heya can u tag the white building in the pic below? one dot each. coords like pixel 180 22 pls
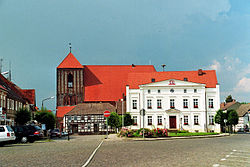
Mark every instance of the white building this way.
pixel 184 100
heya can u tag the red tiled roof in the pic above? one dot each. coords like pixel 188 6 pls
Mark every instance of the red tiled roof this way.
pixel 108 82
pixel 30 95
pixel 62 110
pixel 209 77
pixel 1 87
pixel 70 62
pixel 13 87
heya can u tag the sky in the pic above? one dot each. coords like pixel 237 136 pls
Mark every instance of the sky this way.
pixel 183 34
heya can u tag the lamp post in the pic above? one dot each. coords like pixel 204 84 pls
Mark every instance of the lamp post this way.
pixel 52 97
pixel 122 114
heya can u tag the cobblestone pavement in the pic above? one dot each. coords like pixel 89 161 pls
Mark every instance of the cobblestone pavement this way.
pixel 209 152
pixel 57 153
pixel 213 152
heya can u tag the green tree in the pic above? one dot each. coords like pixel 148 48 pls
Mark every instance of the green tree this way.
pixel 219 119
pixel 114 120
pixel 127 119
pixel 233 118
pixel 46 117
pixel 22 116
pixel 229 99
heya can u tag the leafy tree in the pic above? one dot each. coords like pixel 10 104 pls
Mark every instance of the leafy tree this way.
pixel 114 120
pixel 219 118
pixel 233 118
pixel 127 119
pixel 229 99
pixel 22 116
pixel 46 117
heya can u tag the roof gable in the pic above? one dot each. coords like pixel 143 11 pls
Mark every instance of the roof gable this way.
pixel 70 62
pixel 173 83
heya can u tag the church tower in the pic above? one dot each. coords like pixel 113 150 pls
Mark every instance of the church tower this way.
pixel 70 83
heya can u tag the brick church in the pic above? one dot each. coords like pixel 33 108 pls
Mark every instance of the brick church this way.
pixel 86 91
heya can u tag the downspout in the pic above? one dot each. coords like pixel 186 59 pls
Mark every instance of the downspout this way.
pixel 206 110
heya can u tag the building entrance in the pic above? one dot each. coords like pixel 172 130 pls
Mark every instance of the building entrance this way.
pixel 172 122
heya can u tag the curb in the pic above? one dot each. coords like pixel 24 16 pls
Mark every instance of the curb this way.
pixel 185 137
pixel 174 138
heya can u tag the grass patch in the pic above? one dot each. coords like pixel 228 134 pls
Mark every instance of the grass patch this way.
pixel 191 134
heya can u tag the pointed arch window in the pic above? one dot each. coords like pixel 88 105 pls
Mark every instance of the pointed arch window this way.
pixel 70 80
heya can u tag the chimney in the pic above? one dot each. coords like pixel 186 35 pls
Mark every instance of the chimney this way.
pixel 200 72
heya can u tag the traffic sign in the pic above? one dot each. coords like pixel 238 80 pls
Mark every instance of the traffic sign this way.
pixel 106 114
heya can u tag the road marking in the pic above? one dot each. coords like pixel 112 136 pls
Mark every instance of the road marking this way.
pixel 234 160
pixel 227 156
pixel 223 159
pixel 234 150
pixel 216 165
pixel 240 156
pixel 92 155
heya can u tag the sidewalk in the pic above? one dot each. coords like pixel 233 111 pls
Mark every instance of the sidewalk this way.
pixel 114 137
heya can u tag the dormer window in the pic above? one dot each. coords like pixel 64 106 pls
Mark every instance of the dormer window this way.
pixel 70 81
pixel 185 79
pixel 153 79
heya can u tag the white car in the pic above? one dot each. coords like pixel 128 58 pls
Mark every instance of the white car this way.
pixel 6 134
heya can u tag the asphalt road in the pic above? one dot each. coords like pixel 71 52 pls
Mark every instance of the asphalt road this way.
pixel 181 152
pixel 222 151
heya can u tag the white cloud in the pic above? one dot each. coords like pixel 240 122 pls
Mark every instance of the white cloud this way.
pixel 243 85
pixel 212 9
pixel 215 66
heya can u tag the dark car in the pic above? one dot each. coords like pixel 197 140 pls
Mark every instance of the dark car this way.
pixel 27 133
pixel 55 133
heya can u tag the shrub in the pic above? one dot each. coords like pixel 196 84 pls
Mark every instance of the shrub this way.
pixel 182 131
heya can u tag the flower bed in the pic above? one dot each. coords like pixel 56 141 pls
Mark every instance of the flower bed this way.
pixel 147 132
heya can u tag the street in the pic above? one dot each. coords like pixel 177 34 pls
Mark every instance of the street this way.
pixel 221 151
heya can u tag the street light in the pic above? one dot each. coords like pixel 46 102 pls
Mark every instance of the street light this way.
pixel 52 97
pixel 122 114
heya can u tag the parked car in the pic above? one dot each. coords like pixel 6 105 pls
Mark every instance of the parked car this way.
pixel 28 133
pixel 64 133
pixel 55 133
pixel 6 134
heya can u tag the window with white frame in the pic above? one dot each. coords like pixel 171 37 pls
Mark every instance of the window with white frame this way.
pixel 185 90
pixel 211 103
pixel 8 105
pixel 196 103
pixel 134 104
pixel 149 104
pixel 150 120
pixel 149 91
pixel 159 120
pixel 185 120
pixel 185 103
pixel 159 91
pixel 196 120
pixel 1 101
pixel 211 120
pixel 195 90
pixel 135 120
pixel 172 103
pixel 159 103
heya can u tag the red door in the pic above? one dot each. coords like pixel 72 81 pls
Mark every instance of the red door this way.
pixel 172 122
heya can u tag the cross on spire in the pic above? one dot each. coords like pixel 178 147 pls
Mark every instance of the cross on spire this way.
pixel 70 47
